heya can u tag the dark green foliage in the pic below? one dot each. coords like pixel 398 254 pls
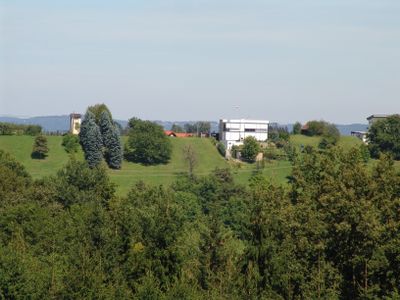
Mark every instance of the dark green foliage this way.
pixel 19 129
pixel 33 130
pixel 332 233
pixel 221 148
pixel 176 128
pixel 291 152
pixel 278 134
pixel 97 110
pixel 296 128
pixel 250 149
pixel 40 149
pixel 14 180
pixel 111 141
pixel 329 133
pixel 77 183
pixel 364 152
pixel 147 143
pixel 91 140
pixel 198 127
pixel 330 136
pixel 70 143
pixel 384 137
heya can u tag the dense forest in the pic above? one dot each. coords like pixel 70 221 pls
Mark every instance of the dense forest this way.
pixel 332 232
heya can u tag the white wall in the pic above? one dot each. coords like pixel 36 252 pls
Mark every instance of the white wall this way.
pixel 233 132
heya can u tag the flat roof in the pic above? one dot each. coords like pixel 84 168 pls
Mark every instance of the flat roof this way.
pixel 361 132
pixel 245 121
pixel 378 116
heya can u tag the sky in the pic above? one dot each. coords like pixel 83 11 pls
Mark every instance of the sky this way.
pixel 280 60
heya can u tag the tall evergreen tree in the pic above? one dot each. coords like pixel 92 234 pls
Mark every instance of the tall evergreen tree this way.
pixel 111 141
pixel 91 141
pixel 40 148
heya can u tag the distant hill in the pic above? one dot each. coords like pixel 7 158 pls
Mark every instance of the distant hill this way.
pixel 347 129
pixel 48 123
pixel 61 124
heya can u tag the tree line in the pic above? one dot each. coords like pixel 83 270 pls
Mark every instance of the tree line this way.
pixel 332 232
pixel 19 129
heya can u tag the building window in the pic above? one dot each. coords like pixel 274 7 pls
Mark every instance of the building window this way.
pixel 249 130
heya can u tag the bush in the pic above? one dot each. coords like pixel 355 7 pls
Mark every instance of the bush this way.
pixel 147 143
pixel 251 148
pixel 19 129
pixel 70 143
pixel 40 149
pixel 364 152
pixel 384 137
pixel 278 134
pixel 296 128
pixel 221 148
pixel 330 136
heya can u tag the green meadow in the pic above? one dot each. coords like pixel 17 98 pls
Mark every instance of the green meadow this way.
pixel 208 159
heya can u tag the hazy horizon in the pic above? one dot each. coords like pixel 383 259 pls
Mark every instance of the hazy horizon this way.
pixel 178 60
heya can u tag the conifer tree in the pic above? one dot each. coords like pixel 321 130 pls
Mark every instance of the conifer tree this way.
pixel 111 141
pixel 91 141
pixel 40 148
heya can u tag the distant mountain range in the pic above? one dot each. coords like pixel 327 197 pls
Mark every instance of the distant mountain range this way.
pixel 61 124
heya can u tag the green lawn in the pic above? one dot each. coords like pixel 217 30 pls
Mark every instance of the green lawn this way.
pixel 208 160
pixel 277 171
pixel 21 147
pixel 207 156
pixel 345 141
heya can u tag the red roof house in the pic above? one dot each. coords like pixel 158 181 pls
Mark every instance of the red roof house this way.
pixel 177 134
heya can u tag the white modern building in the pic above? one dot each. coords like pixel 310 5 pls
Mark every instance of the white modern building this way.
pixel 233 132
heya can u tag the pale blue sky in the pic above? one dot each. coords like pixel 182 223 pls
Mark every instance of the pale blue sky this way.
pixel 280 60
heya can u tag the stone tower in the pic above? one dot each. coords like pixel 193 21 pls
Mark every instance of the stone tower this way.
pixel 74 123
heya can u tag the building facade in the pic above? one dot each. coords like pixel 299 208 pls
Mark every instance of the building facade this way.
pixel 75 123
pixel 362 135
pixel 233 132
pixel 372 119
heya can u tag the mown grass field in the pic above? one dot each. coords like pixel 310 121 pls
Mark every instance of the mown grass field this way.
pixel 345 141
pixel 208 159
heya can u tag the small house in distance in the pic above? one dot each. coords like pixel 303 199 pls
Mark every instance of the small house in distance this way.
pixel 373 118
pixel 171 133
pixel 362 135
pixel 75 123
pixel 233 132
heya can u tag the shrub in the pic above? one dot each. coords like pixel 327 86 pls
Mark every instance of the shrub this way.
pixel 147 143
pixel 384 137
pixel 70 143
pixel 221 148
pixel 251 148
pixel 40 149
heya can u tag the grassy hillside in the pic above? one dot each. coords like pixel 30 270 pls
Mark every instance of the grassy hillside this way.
pixel 21 147
pixel 208 159
pixel 207 156
pixel 345 141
